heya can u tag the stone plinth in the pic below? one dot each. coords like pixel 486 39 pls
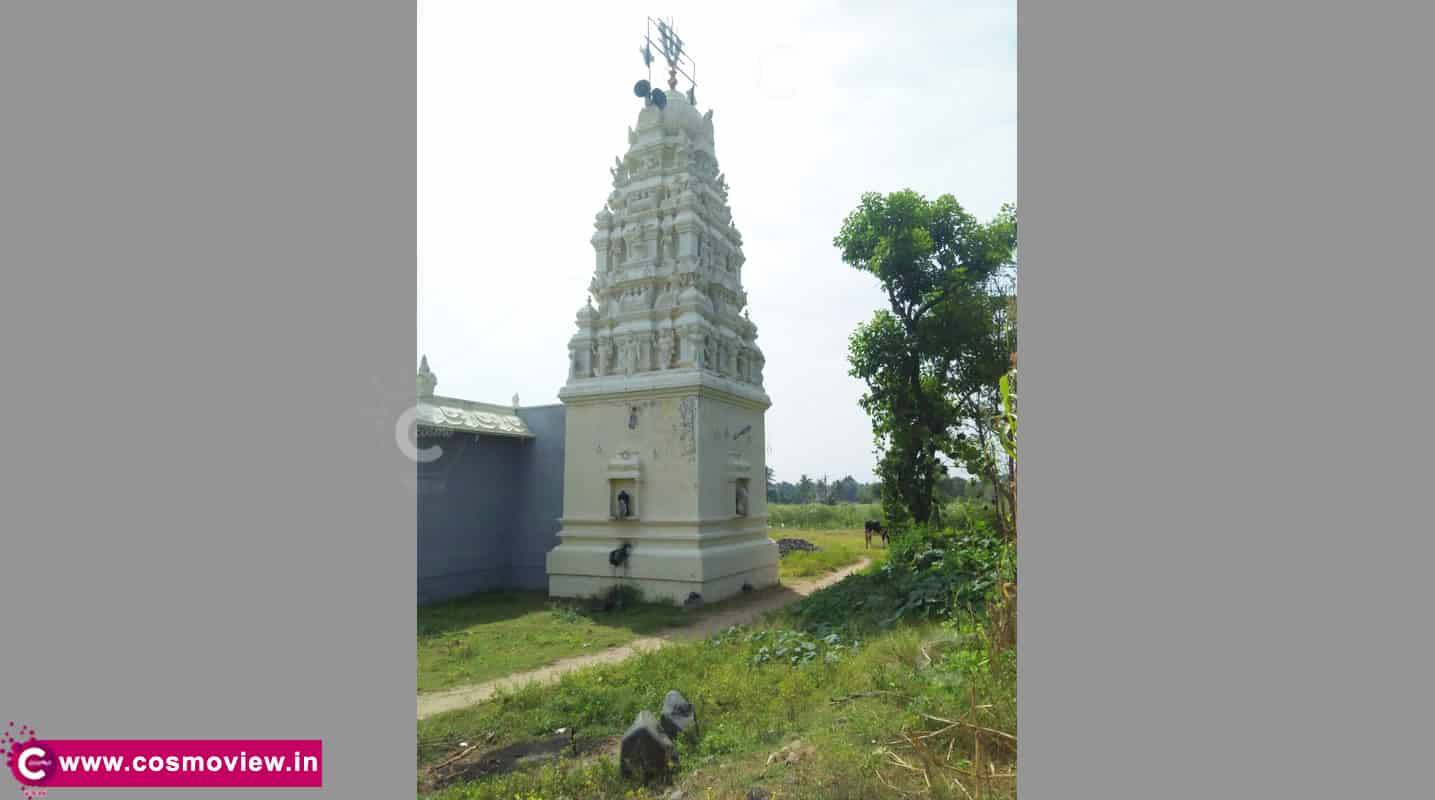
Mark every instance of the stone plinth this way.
pixel 681 451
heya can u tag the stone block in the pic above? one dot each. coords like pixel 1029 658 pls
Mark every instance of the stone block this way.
pixel 678 718
pixel 646 753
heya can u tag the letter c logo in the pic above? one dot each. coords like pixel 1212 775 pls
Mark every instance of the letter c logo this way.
pixel 22 763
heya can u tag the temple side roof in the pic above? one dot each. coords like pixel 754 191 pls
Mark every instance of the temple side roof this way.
pixel 439 414
pixel 467 416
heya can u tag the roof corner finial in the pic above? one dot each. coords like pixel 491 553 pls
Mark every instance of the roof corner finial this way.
pixel 426 379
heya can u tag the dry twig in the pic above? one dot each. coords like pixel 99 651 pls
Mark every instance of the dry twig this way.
pixel 883 779
pixel 972 725
pixel 845 698
pixel 460 754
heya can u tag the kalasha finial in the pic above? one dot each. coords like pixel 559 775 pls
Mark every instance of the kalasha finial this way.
pixel 426 379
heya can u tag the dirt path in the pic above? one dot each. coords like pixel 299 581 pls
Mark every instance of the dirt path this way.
pixel 764 601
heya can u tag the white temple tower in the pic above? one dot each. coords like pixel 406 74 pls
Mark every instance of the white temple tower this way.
pixel 665 470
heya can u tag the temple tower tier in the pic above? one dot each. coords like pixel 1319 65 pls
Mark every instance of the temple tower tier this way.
pixel 665 462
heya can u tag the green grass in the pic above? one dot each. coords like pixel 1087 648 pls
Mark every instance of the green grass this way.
pixel 489 635
pixel 826 671
pixel 837 549
pixel 485 636
pixel 817 516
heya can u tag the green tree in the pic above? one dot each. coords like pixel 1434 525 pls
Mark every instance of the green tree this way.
pixel 868 492
pixel 932 357
pixel 806 490
pixel 950 488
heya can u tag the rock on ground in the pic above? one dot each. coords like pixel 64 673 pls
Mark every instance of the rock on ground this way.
pixel 785 546
pixel 646 752
pixel 678 717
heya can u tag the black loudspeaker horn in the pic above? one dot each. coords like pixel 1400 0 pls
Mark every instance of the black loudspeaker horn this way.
pixel 659 99
pixel 641 88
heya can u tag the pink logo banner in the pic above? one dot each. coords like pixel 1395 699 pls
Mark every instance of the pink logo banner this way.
pixel 167 763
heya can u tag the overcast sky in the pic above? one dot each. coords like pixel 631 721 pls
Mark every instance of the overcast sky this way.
pixel 520 114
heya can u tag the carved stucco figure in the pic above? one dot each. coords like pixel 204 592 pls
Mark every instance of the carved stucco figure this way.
pixel 665 349
pixel 605 355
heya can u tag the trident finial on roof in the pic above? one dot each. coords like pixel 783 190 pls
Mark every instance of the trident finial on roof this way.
pixel 672 51
pixel 671 46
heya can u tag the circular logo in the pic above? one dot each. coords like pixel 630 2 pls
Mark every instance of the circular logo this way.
pixel 33 763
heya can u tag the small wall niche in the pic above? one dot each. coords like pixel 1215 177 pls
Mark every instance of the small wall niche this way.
pixel 738 474
pixel 625 479
pixel 623 498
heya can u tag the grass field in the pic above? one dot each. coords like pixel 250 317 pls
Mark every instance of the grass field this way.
pixel 819 516
pixel 840 516
pixel 836 550
pixel 485 636
pixel 875 707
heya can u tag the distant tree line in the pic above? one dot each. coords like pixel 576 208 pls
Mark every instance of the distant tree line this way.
pixel 849 490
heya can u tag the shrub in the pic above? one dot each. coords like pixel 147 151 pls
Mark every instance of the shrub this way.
pixel 930 573
pixel 620 595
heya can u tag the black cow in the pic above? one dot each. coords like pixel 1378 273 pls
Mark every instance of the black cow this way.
pixel 874 527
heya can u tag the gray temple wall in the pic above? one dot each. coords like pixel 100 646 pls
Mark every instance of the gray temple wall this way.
pixel 540 478
pixel 488 509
